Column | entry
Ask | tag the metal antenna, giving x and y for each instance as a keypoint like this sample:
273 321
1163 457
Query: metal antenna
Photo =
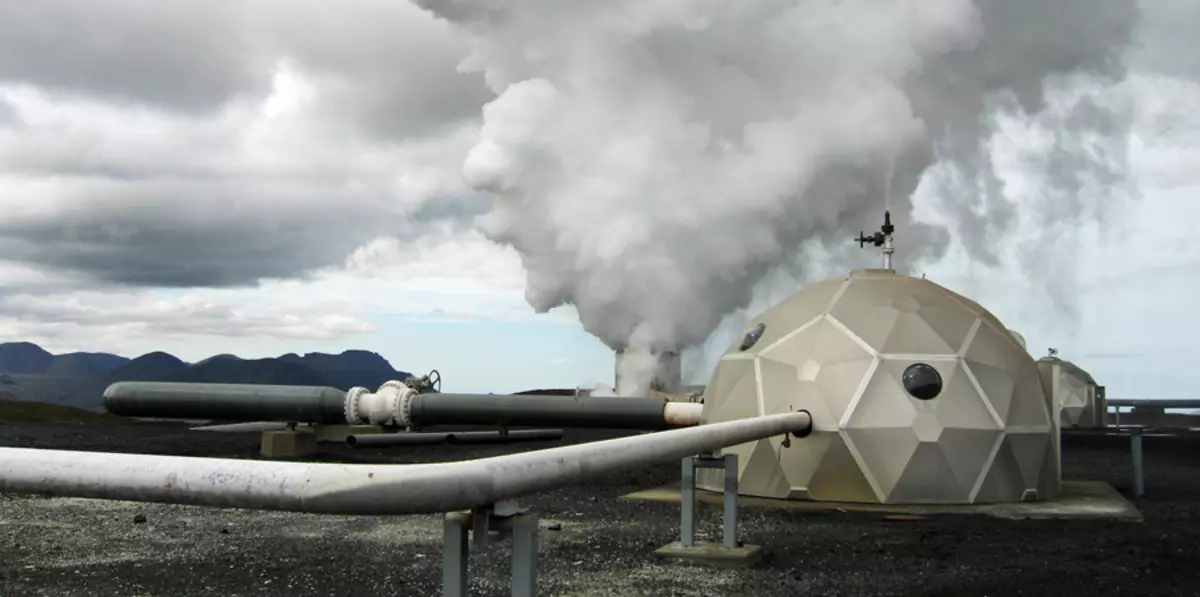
882 238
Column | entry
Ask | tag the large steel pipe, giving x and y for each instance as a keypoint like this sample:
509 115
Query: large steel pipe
226 402
393 404
360 488
602 412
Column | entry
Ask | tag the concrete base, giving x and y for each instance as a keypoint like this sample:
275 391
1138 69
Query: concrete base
712 553
1079 500
338 433
288 444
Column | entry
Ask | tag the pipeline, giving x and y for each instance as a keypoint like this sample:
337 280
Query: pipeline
393 404
463 437
387 489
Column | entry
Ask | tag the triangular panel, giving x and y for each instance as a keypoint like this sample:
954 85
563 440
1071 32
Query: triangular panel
838 476
885 453
967 451
928 479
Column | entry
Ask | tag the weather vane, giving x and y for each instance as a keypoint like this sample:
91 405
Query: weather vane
882 238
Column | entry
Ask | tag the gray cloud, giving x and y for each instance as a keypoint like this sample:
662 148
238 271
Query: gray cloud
190 56
136 147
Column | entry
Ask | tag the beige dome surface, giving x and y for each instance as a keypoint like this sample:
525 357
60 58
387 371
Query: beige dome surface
839 349
1076 393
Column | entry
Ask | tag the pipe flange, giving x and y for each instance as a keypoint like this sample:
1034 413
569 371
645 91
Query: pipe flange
353 397
404 409
397 396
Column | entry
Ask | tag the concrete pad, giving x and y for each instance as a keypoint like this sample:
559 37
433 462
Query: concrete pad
712 553
339 433
288 444
1087 500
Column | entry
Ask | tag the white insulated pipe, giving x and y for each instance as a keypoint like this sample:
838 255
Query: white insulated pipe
371 489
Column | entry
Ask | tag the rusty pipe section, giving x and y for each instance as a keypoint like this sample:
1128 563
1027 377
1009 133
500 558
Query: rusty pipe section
393 404
375 489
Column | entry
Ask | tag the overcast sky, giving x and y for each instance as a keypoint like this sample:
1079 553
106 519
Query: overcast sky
286 176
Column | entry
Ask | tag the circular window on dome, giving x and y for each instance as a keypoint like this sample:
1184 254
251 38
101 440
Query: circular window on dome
922 381
752 336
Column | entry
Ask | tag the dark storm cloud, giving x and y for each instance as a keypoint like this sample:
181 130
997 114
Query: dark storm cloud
153 247
186 55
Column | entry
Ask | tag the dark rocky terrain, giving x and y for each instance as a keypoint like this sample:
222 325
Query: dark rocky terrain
30 373
603 545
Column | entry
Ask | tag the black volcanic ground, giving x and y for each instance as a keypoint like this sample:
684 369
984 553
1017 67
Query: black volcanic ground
95 548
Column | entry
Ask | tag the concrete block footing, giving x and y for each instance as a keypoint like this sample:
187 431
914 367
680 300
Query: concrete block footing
714 554
288 443
302 441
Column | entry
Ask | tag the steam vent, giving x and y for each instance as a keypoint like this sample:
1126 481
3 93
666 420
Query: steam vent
1075 391
918 395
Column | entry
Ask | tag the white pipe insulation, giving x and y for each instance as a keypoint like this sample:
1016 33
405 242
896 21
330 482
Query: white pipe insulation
359 488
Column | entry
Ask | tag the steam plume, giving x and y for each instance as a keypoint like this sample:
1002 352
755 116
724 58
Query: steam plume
652 161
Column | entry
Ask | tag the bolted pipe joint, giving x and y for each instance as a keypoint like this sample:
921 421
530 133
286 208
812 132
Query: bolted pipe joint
390 405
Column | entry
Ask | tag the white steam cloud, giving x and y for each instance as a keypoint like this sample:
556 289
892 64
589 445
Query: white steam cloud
653 161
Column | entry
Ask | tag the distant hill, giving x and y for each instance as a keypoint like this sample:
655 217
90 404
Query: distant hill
30 373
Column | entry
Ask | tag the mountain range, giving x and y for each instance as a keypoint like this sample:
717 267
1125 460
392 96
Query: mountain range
29 372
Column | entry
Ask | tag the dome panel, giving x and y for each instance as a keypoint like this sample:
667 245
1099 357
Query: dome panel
928 479
800 462
883 403
1029 451
795 348
790 314
868 315
952 324
762 468
839 476
783 391
727 379
1003 478
742 400
998 386
884 453
963 406
968 451
911 334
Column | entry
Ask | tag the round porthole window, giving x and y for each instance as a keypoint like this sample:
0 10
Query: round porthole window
922 381
752 336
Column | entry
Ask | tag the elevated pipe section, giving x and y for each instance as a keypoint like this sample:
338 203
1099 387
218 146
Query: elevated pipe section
359 488
393 404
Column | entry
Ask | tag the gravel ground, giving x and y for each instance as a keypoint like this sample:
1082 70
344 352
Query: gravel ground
601 546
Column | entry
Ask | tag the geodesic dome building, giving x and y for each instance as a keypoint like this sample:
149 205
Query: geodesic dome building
1080 399
917 394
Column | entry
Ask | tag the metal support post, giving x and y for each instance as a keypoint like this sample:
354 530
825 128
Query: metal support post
687 494
730 531
455 551
524 555
687 503
1135 449
503 516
